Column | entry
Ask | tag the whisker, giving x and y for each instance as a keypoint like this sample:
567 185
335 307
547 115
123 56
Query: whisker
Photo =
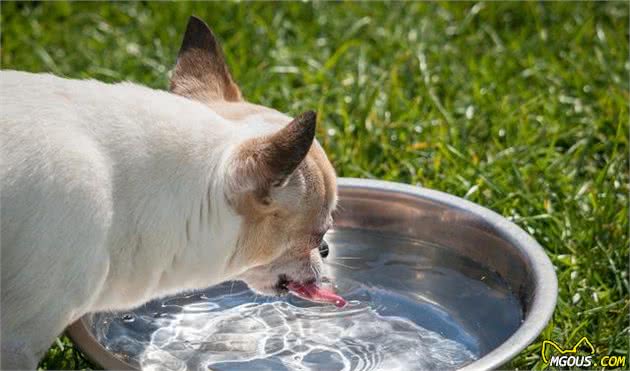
343 265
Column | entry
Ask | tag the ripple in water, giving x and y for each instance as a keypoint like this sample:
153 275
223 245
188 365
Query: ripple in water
228 327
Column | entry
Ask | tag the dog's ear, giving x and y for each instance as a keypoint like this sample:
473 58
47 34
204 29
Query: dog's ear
266 162
201 72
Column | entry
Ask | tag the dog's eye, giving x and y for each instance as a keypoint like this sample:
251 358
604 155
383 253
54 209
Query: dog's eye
323 249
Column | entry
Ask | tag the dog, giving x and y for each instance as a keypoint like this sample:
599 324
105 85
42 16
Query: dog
116 194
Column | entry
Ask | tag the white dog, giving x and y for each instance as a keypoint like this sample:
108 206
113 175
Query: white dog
113 195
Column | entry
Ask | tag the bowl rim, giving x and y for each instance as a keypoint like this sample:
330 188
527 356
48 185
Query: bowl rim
544 277
545 281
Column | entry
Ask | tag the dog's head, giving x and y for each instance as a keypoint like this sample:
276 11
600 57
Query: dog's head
279 179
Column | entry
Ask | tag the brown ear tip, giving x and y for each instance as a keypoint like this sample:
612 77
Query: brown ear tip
307 122
198 36
193 20
309 118
311 115
197 29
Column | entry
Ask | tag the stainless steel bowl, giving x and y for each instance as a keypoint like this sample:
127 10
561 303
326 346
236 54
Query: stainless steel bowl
464 228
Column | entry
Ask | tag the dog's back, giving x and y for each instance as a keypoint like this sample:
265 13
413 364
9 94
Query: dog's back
56 209
78 158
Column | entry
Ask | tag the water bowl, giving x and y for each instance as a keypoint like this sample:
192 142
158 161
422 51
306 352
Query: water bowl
432 282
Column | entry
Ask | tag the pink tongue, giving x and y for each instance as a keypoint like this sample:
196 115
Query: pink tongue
312 292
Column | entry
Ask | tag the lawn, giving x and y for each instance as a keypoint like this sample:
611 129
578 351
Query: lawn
520 107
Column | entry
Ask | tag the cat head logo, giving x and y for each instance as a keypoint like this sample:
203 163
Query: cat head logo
583 344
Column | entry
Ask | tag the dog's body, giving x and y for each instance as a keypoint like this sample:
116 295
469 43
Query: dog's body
116 194
100 186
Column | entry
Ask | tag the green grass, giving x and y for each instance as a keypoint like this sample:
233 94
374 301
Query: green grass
520 107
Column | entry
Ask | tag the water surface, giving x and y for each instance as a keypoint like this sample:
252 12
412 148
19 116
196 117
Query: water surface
412 305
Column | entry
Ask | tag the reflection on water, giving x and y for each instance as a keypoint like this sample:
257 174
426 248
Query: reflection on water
411 306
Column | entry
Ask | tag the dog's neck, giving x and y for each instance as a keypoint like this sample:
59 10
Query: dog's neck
176 231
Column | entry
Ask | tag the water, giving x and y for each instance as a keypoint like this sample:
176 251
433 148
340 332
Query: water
412 305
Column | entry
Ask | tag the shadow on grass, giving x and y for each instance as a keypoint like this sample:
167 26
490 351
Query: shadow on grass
64 355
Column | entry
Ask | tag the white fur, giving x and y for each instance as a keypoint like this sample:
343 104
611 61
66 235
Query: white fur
111 195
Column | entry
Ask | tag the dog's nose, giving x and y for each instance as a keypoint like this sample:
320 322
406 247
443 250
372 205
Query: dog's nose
323 249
